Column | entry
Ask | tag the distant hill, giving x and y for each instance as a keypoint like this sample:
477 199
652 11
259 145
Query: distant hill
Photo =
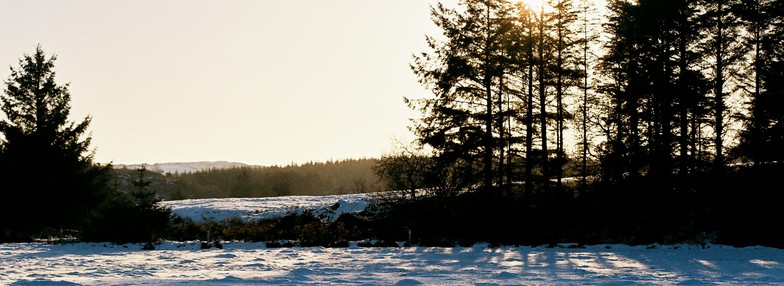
184 167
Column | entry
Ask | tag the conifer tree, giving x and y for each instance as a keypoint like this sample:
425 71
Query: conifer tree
763 22
723 48
588 28
463 71
565 72
49 179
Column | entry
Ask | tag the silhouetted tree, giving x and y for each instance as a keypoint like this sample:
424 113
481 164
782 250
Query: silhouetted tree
657 90
723 49
691 86
135 216
462 72
405 171
49 180
527 23
763 22
566 74
588 26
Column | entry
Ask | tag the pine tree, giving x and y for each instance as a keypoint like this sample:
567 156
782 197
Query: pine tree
463 71
620 65
724 51
565 72
49 179
588 29
527 24
763 21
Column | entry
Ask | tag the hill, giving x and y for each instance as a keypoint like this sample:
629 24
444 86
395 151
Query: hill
184 167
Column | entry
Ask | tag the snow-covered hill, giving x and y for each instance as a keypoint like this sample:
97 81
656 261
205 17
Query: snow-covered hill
184 167
248 209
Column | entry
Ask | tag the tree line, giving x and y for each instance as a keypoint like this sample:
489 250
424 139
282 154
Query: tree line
654 91
668 114
313 179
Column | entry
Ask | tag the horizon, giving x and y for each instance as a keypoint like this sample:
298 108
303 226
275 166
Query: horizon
115 164
180 81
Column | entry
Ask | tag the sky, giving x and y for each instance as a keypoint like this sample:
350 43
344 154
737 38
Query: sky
257 82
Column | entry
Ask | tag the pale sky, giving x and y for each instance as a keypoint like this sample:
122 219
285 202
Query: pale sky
257 82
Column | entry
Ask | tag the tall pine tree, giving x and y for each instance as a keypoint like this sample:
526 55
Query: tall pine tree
48 178
464 72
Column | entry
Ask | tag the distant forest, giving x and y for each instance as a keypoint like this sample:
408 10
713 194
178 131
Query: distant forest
313 178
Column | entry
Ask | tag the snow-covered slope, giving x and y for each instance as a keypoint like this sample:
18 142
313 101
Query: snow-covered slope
326 207
184 167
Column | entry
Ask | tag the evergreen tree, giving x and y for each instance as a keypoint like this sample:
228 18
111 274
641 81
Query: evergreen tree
691 85
460 123
543 74
528 23
143 197
656 88
588 28
133 216
620 159
49 179
242 187
723 48
763 21
565 72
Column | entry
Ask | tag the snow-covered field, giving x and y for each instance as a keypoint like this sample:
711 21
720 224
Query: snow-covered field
253 263
327 207
239 263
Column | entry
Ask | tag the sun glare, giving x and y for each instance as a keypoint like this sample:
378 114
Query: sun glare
533 4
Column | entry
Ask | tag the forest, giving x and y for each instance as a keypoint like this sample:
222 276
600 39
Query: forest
313 179
640 122
669 116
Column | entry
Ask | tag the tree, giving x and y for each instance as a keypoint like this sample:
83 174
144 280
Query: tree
657 90
241 187
542 75
143 196
527 24
407 171
721 25
133 216
459 123
589 30
619 64
565 72
49 179
763 21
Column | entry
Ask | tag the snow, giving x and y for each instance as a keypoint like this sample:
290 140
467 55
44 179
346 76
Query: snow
250 209
242 263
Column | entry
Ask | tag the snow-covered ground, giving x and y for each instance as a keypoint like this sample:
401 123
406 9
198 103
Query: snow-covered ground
240 263
253 263
248 209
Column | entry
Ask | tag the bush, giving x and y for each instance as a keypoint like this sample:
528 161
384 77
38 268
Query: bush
127 218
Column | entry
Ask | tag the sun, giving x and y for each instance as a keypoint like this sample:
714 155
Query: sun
533 4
